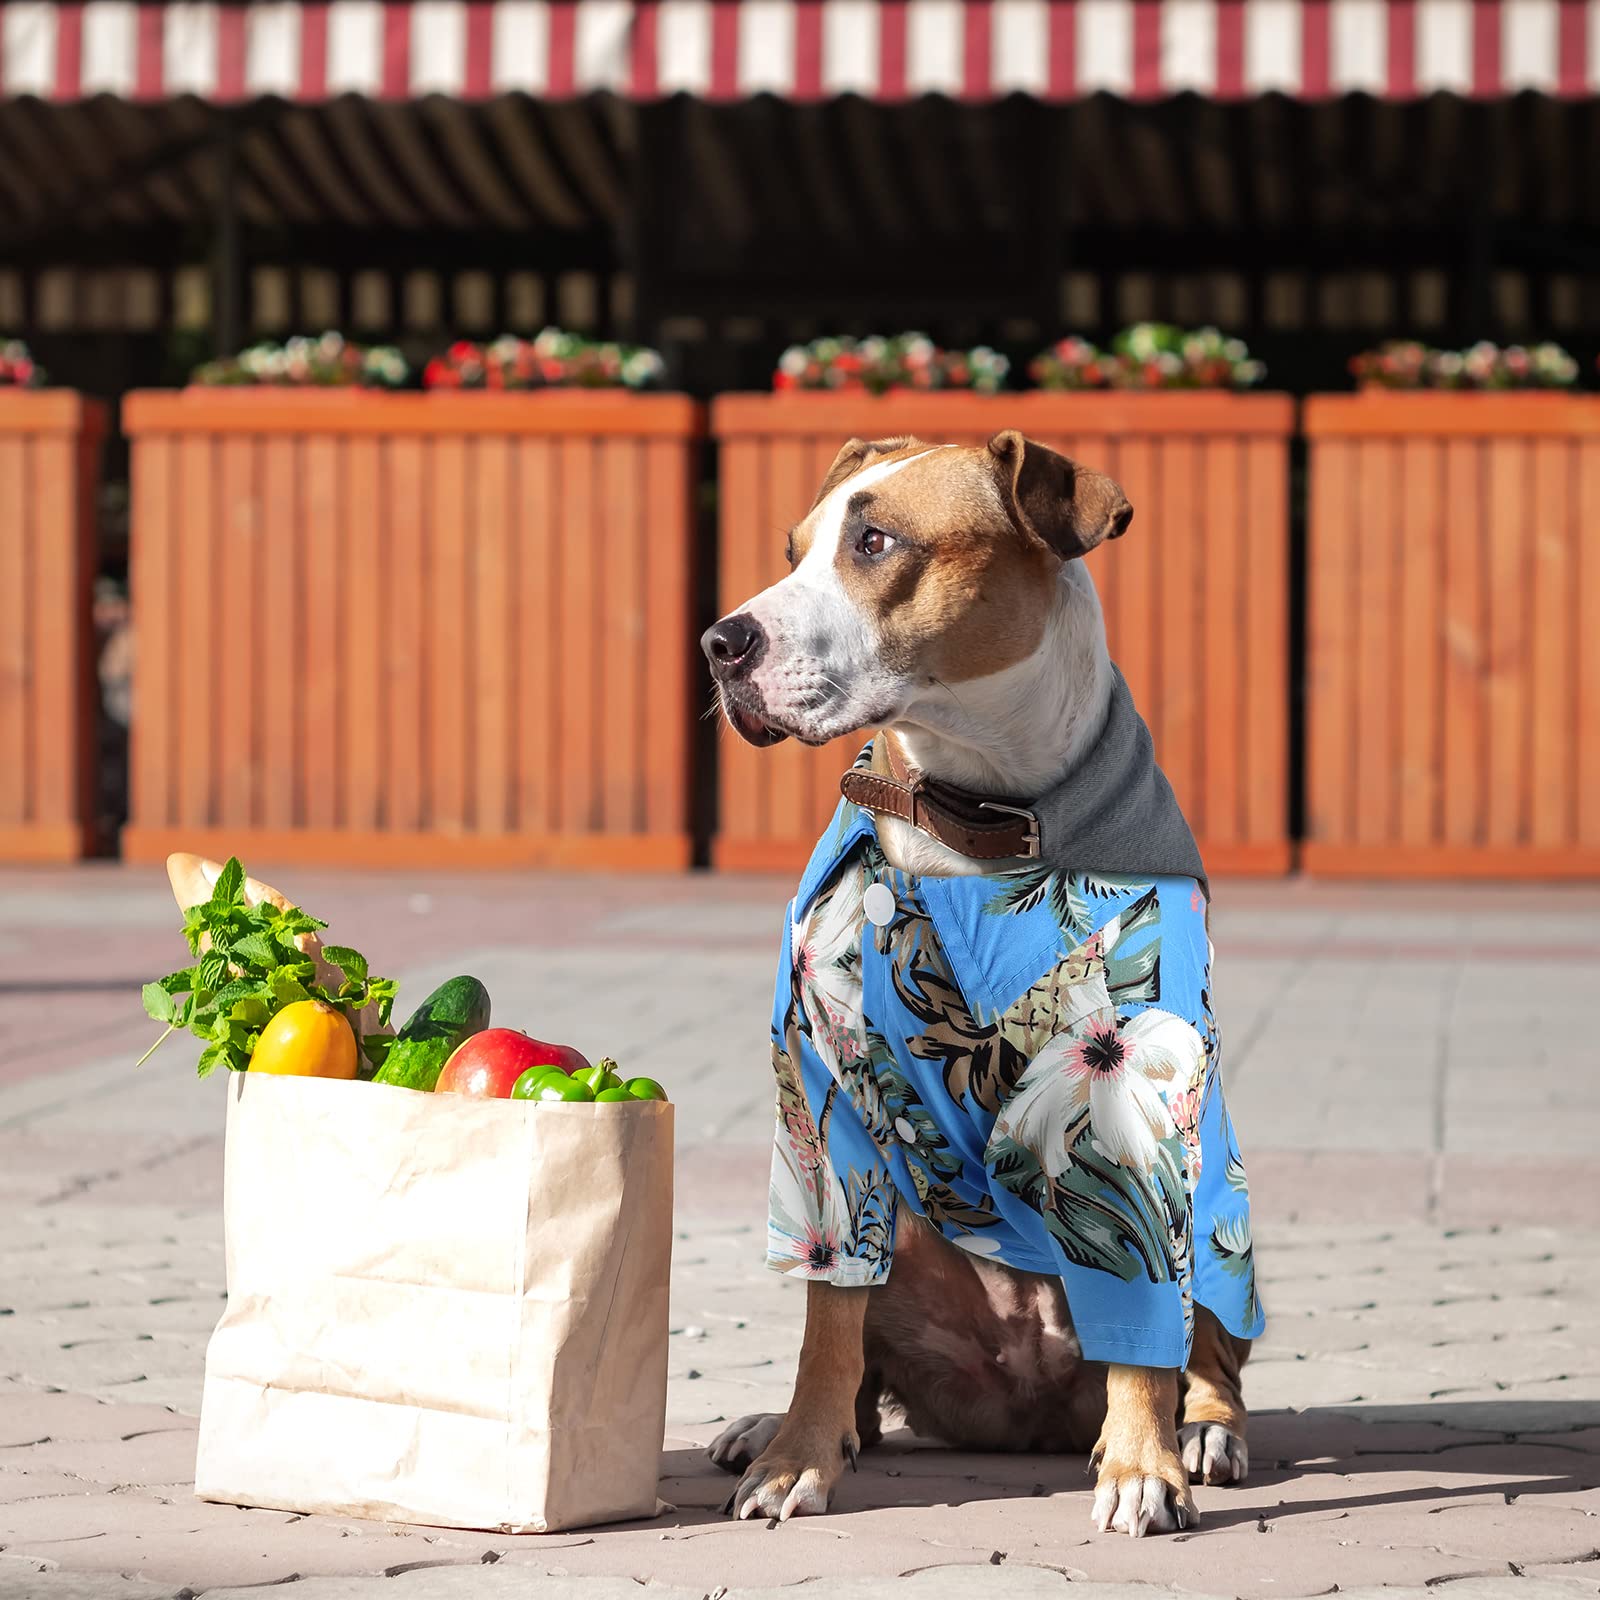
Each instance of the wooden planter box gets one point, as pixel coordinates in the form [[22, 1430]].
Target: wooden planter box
[[49, 462], [1196, 597], [1453, 690], [413, 629]]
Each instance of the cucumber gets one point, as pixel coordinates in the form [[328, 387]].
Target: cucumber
[[454, 1011]]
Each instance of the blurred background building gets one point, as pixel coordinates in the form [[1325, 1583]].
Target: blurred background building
[[722, 178]]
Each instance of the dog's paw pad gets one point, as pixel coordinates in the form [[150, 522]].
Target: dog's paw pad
[[1137, 1505], [743, 1441], [1213, 1454]]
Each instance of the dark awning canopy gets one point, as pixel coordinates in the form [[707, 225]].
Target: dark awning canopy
[[890, 50]]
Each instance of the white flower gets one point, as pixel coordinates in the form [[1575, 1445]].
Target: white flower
[[1117, 1074]]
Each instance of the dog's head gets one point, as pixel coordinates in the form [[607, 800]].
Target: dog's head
[[917, 565]]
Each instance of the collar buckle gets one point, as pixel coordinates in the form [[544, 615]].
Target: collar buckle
[[1031, 839]]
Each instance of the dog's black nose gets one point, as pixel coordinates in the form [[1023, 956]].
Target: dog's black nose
[[733, 645]]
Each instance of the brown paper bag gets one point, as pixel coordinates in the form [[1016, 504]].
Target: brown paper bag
[[440, 1310]]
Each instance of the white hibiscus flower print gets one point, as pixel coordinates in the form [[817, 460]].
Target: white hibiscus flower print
[[1113, 1074]]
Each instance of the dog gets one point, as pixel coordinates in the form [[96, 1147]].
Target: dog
[[937, 593]]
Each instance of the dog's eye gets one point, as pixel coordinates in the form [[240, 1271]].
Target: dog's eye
[[875, 542]]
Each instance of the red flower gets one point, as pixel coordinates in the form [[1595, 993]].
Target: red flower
[[782, 380]]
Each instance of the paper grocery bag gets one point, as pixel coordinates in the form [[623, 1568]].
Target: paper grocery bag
[[440, 1310]]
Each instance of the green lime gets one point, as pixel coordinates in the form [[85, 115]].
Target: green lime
[[598, 1078], [612, 1096], [645, 1089], [563, 1088]]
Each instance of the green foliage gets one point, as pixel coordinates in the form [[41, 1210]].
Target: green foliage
[[247, 969]]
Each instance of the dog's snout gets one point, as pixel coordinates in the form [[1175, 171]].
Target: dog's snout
[[734, 645]]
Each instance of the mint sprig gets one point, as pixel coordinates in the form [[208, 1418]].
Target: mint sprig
[[248, 968]]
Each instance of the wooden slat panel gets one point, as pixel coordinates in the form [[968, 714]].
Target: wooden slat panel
[[1132, 558], [447, 630], [494, 641], [579, 709], [282, 620], [1265, 626], [1417, 628], [1330, 736], [1224, 588], [742, 506], [57, 634], [364, 691], [1551, 655], [620, 644], [1375, 550], [18, 540], [1586, 687], [1178, 576], [669, 576], [197, 588], [1509, 499], [151, 598], [248, 673], [538, 631], [405, 634], [322, 579], [1464, 643]]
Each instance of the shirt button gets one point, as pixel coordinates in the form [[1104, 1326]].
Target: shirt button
[[878, 903]]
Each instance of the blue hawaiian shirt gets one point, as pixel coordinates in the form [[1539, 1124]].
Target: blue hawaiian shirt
[[1028, 1060]]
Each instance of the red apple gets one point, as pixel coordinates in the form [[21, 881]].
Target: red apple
[[486, 1065]]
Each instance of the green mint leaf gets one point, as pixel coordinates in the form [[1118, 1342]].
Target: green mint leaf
[[256, 950], [350, 962], [213, 970], [178, 982], [194, 928], [253, 1011], [158, 1004], [229, 887], [383, 990], [287, 988], [212, 1057], [297, 921]]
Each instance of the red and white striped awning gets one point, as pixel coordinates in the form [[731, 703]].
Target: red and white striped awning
[[886, 50]]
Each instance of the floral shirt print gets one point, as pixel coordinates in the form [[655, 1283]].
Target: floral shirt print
[[1028, 1060]]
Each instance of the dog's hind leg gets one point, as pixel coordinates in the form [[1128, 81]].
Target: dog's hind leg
[[1211, 1425], [817, 1437]]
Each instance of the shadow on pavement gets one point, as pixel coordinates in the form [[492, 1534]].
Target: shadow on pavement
[[1318, 1461]]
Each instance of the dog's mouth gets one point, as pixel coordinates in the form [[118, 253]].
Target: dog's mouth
[[751, 726]]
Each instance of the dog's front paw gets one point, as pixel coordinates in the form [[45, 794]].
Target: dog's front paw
[[741, 1442], [1213, 1453], [1140, 1497], [795, 1475]]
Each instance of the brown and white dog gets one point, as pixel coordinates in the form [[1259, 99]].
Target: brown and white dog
[[935, 592]]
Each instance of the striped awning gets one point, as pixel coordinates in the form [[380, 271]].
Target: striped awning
[[886, 50]]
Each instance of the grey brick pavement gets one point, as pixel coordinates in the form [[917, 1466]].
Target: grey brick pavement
[[1417, 1083]]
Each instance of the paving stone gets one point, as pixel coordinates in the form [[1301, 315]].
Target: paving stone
[[1426, 1405]]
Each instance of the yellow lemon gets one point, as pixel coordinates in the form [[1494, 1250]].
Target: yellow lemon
[[309, 1039]]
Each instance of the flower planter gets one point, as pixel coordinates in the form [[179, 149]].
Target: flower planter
[[1196, 597], [49, 459], [1453, 682], [413, 629]]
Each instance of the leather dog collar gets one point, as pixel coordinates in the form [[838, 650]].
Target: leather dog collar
[[969, 823]]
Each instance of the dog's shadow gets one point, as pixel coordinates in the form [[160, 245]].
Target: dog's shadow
[[1467, 1449]]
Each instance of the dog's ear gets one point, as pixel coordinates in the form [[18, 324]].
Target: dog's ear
[[850, 460], [1067, 508]]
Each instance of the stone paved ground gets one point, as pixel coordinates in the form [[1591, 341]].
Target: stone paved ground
[[1417, 1084]]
